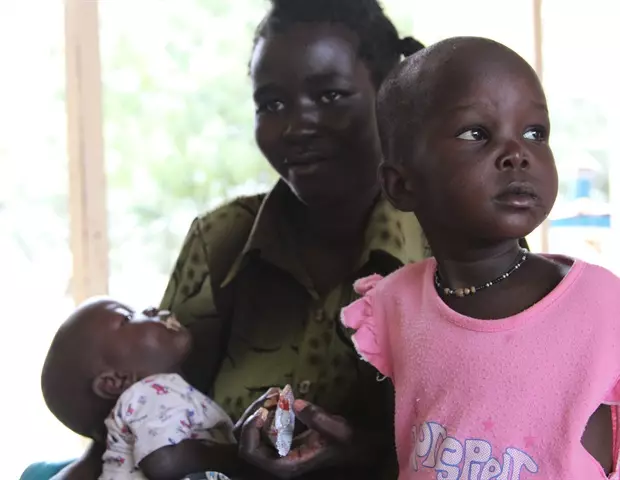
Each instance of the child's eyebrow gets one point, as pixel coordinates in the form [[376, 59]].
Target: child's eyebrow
[[468, 106], [540, 106]]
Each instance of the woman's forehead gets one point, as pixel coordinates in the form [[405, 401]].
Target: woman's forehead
[[305, 50]]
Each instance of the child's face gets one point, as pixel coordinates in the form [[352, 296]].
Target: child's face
[[484, 167], [315, 112], [138, 343]]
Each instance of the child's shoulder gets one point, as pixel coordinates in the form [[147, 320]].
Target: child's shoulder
[[594, 281], [407, 275], [583, 270]]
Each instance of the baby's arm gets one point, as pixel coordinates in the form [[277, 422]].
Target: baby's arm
[[173, 462]]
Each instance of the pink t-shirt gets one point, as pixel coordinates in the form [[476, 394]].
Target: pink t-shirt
[[501, 399]]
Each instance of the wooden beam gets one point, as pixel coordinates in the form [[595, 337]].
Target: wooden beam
[[539, 67], [87, 180]]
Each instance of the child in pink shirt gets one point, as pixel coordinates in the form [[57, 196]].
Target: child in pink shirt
[[498, 356]]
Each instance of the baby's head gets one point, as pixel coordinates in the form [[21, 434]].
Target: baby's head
[[101, 350], [465, 130]]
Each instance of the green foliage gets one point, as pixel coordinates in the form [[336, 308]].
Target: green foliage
[[178, 118]]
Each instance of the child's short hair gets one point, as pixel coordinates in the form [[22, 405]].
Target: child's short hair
[[410, 91]]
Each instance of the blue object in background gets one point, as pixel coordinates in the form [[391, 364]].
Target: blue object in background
[[43, 470]]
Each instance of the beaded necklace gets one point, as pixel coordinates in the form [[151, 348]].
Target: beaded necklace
[[463, 292]]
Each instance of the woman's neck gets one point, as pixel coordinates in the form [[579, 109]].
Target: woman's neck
[[337, 225]]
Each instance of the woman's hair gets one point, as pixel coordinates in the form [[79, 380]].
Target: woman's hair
[[380, 46]]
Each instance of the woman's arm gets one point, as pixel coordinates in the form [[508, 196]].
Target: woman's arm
[[86, 468], [189, 295], [175, 461]]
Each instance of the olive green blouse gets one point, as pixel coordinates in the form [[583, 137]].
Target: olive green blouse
[[283, 331]]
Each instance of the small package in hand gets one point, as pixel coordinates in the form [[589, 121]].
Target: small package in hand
[[283, 426]]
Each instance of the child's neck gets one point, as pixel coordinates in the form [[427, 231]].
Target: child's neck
[[524, 287], [464, 268]]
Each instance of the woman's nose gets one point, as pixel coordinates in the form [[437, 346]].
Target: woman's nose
[[303, 121]]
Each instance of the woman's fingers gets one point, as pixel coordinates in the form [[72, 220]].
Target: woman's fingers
[[310, 451], [267, 399], [332, 427], [251, 431]]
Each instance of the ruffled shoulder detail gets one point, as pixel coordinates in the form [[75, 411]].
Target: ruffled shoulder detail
[[366, 284], [365, 318]]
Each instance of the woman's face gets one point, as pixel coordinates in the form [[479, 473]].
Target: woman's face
[[315, 112]]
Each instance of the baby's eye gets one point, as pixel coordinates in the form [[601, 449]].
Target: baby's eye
[[536, 134], [473, 135], [330, 97]]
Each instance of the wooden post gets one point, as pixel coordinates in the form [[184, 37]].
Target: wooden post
[[87, 180], [538, 66]]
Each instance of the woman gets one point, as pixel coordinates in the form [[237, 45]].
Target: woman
[[267, 275]]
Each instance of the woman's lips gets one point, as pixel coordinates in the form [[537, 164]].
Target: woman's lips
[[307, 157]]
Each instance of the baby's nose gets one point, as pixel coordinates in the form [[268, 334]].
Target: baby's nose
[[150, 312]]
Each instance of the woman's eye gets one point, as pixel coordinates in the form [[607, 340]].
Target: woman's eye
[[330, 97], [536, 134], [272, 106], [473, 135]]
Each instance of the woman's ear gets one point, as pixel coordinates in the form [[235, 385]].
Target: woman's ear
[[110, 384], [398, 187]]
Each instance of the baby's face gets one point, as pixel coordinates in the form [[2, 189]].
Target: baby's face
[[486, 169], [143, 343]]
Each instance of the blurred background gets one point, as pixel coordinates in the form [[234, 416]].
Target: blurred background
[[178, 140]]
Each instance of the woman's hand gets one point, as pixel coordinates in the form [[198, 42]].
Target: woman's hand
[[86, 468], [329, 442]]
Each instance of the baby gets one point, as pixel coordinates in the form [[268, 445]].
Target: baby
[[111, 375], [499, 357]]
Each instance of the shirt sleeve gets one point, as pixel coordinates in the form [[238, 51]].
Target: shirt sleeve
[[157, 416], [613, 396], [364, 316], [189, 293], [118, 461]]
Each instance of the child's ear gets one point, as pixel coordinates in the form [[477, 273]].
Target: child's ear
[[397, 187], [110, 384]]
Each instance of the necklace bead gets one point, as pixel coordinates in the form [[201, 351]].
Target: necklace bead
[[463, 292]]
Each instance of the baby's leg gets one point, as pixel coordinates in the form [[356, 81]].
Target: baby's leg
[[598, 438]]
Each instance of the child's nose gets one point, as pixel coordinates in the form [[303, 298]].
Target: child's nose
[[513, 157]]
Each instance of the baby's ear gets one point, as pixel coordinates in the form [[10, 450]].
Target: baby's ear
[[398, 187], [111, 384]]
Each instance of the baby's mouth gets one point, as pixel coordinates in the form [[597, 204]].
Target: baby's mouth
[[169, 320]]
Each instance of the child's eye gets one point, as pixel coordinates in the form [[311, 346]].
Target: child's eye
[[536, 134], [271, 106], [330, 97], [473, 135]]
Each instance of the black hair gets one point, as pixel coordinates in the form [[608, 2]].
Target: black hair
[[408, 94], [402, 104], [380, 46]]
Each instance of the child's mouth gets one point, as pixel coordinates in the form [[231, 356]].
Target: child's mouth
[[518, 195]]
